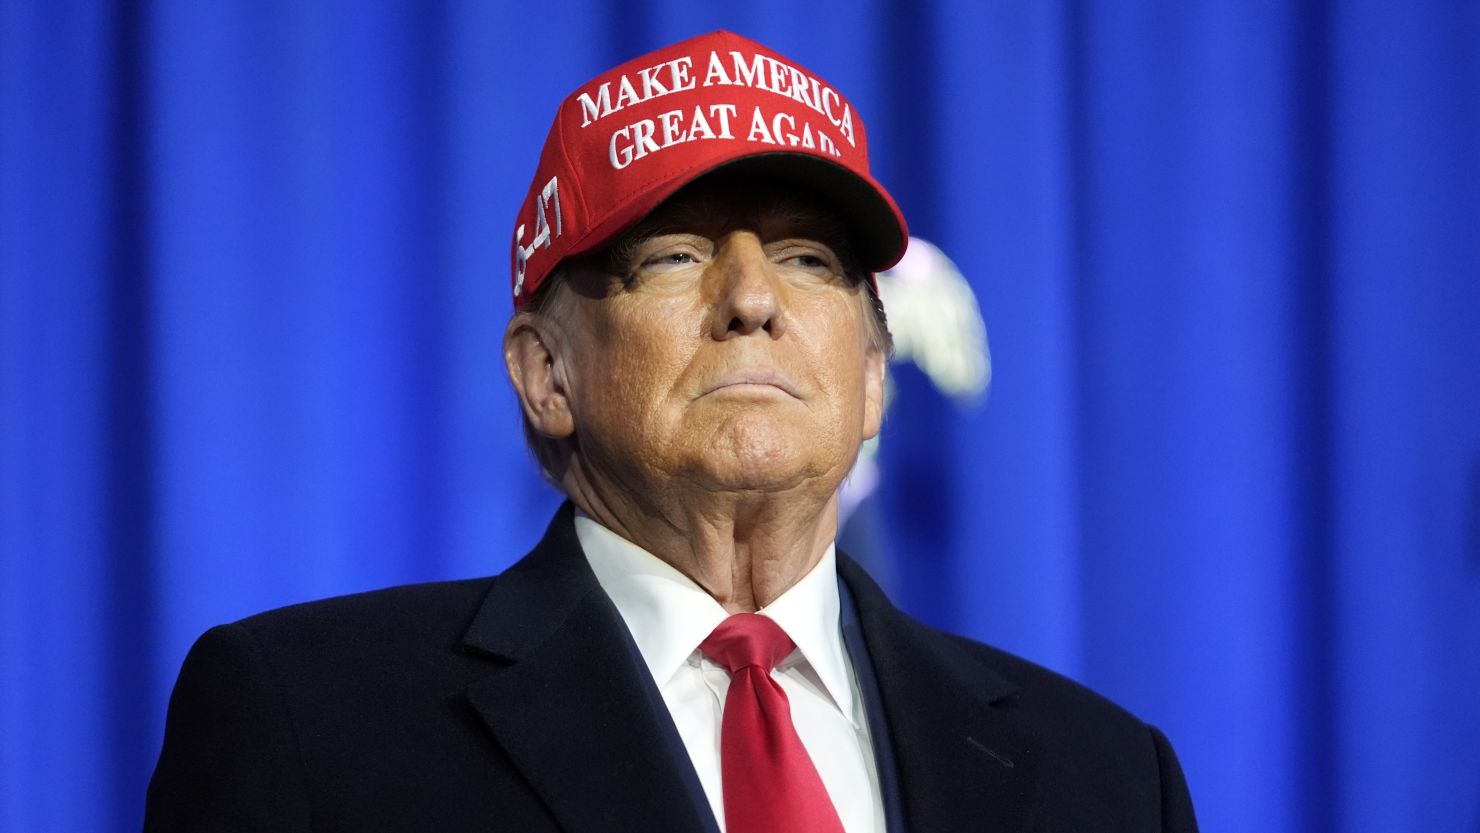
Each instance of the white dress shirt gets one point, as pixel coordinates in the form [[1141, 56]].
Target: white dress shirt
[[669, 615]]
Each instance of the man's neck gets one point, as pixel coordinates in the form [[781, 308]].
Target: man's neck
[[745, 549]]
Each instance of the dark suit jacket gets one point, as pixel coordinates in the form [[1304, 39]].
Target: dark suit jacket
[[520, 703]]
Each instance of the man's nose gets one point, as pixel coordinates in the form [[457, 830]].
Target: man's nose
[[750, 293]]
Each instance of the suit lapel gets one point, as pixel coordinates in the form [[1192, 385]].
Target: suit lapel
[[573, 705], [962, 762], [575, 709]]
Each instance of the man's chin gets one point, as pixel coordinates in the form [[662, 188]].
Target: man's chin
[[770, 472], [761, 451]]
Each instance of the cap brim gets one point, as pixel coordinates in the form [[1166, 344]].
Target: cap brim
[[876, 226]]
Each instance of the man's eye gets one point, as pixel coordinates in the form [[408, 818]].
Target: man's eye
[[816, 263], [670, 259]]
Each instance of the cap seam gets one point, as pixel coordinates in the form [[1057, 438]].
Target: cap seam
[[565, 155]]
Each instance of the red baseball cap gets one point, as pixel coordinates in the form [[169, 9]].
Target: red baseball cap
[[630, 138]]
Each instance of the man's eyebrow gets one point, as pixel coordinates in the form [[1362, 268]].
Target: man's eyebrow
[[824, 226], [619, 255], [668, 219], [672, 218]]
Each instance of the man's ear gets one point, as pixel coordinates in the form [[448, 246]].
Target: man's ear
[[873, 392], [538, 375]]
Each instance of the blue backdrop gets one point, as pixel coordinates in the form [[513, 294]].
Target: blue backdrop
[[253, 280]]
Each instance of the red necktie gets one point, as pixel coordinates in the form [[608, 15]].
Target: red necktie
[[770, 784]]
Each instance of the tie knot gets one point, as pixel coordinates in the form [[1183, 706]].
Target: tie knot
[[747, 639]]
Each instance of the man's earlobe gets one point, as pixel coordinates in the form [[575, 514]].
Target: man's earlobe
[[536, 372]]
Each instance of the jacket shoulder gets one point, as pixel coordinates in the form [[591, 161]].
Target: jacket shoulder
[[391, 612], [1038, 686], [989, 673], [347, 713], [1105, 762]]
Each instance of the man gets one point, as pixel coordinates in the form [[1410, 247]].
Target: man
[[699, 351]]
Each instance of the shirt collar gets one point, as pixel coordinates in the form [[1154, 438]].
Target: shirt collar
[[669, 614]]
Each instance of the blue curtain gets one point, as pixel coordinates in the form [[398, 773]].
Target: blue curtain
[[254, 274]]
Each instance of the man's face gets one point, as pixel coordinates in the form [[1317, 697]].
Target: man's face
[[723, 344]]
